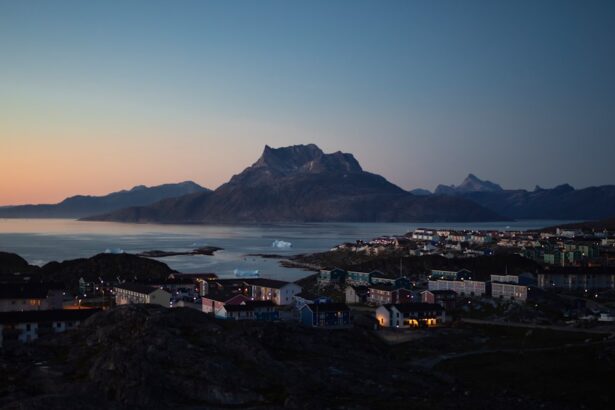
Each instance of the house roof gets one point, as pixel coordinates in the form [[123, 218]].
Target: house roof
[[249, 305], [138, 288], [383, 286], [27, 290], [268, 283], [360, 289], [208, 276], [178, 280], [573, 270], [224, 295], [441, 292], [451, 270], [46, 315], [414, 307], [307, 295], [328, 307]]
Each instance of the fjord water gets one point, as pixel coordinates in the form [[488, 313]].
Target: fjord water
[[43, 240]]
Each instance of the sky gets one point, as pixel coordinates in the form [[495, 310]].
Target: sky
[[98, 96]]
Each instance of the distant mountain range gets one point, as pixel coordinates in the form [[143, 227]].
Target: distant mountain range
[[471, 184], [561, 202], [303, 184], [81, 205]]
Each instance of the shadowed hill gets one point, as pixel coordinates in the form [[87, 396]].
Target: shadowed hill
[[82, 205]]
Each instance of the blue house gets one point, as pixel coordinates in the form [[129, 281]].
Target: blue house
[[251, 310], [325, 315], [359, 278], [335, 275], [451, 274]]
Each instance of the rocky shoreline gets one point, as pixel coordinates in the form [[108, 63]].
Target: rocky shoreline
[[205, 250]]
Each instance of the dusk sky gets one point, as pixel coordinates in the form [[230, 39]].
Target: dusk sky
[[99, 96]]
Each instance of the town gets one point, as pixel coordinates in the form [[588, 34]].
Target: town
[[561, 278]]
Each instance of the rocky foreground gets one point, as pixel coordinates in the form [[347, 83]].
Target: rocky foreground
[[149, 357]]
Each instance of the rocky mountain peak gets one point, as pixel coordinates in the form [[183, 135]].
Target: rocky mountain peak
[[474, 184], [305, 159], [470, 184]]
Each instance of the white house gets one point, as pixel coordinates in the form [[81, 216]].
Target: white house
[[509, 291], [508, 287], [15, 297], [26, 326], [462, 287], [410, 315], [129, 293], [277, 291]]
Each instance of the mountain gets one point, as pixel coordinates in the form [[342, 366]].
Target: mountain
[[420, 192], [561, 202], [303, 184], [82, 205], [471, 184]]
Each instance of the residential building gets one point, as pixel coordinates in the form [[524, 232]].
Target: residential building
[[181, 287], [332, 276], [481, 238], [356, 294], [225, 285], [30, 296], [378, 277], [461, 287], [327, 315], [214, 301], [505, 278], [410, 315], [279, 292], [508, 287], [450, 274], [359, 278], [423, 234], [577, 278], [264, 310], [509, 291], [444, 298], [306, 298], [26, 326], [380, 294], [129, 293]]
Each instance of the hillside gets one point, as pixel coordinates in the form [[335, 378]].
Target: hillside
[[82, 205], [145, 356], [598, 226], [105, 266], [561, 202]]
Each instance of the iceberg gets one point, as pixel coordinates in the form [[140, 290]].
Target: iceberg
[[281, 244], [246, 273], [114, 250]]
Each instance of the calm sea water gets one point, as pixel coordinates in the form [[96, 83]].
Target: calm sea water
[[43, 240]]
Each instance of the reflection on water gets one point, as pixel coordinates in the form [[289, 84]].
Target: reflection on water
[[44, 240]]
